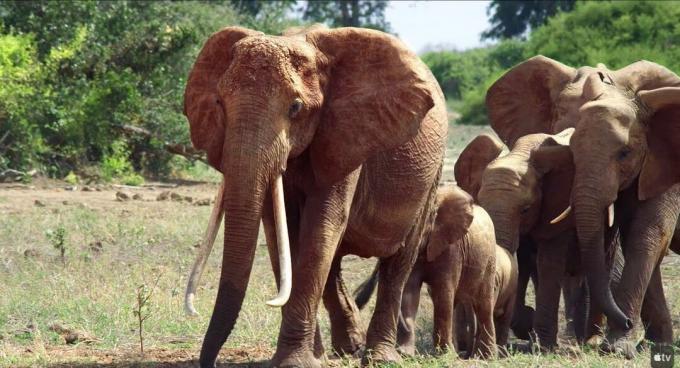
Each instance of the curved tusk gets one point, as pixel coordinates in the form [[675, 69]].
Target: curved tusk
[[561, 216], [204, 251], [610, 215], [285, 268]]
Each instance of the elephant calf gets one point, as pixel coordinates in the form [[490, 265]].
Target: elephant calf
[[459, 265], [504, 293]]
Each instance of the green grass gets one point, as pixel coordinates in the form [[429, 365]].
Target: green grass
[[95, 291]]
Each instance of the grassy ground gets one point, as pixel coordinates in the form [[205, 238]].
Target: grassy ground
[[112, 247]]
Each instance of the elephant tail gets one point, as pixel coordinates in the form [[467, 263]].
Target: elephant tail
[[363, 293]]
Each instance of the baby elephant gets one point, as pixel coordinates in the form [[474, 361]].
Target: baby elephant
[[505, 292], [459, 264]]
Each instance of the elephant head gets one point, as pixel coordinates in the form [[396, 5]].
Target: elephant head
[[627, 127], [328, 99], [511, 187], [455, 212]]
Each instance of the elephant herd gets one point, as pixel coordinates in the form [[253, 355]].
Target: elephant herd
[[334, 140]]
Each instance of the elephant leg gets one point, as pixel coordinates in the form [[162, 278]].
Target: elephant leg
[[655, 315], [645, 244], [551, 265], [322, 223], [293, 219], [574, 292], [465, 329], [381, 334], [443, 293], [523, 317], [502, 324], [406, 327], [347, 335], [485, 340]]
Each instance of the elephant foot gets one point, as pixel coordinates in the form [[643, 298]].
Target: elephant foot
[[522, 322], [407, 349], [624, 347], [621, 343], [381, 355], [347, 346], [594, 341], [503, 351], [485, 351], [304, 359]]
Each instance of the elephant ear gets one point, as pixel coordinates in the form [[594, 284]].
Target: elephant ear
[[202, 104], [645, 75], [554, 153], [523, 100], [377, 95], [661, 165], [455, 213], [471, 163]]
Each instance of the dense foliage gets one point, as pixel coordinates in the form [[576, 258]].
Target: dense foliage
[[72, 72], [614, 33], [515, 18]]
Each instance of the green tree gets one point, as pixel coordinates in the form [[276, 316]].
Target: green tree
[[613, 33], [348, 13], [73, 71], [514, 18]]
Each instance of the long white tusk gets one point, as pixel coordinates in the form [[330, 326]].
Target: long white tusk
[[204, 251], [285, 268], [610, 215], [561, 216]]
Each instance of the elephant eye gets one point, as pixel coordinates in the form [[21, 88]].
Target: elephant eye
[[605, 79], [295, 107], [623, 153], [525, 210]]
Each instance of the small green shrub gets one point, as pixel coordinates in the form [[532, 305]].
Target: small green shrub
[[58, 239], [72, 178], [132, 179], [116, 165]]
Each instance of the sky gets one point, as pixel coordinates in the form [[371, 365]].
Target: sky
[[424, 25]]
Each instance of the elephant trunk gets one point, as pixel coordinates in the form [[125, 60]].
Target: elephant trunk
[[589, 219], [254, 162], [507, 230]]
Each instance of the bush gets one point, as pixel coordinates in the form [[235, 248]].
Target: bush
[[465, 76], [20, 80], [116, 164], [71, 72], [614, 33]]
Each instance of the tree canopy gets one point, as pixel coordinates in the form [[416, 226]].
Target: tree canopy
[[514, 18], [73, 73], [613, 33]]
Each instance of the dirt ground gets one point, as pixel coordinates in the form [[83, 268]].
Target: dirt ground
[[173, 341]]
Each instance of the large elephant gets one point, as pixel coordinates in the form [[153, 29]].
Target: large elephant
[[523, 191], [335, 137], [626, 150]]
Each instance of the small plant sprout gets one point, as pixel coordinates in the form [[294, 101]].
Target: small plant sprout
[[142, 308], [58, 239]]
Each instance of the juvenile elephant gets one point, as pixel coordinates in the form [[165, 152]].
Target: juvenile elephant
[[304, 126], [523, 191], [459, 266], [626, 151], [505, 290]]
